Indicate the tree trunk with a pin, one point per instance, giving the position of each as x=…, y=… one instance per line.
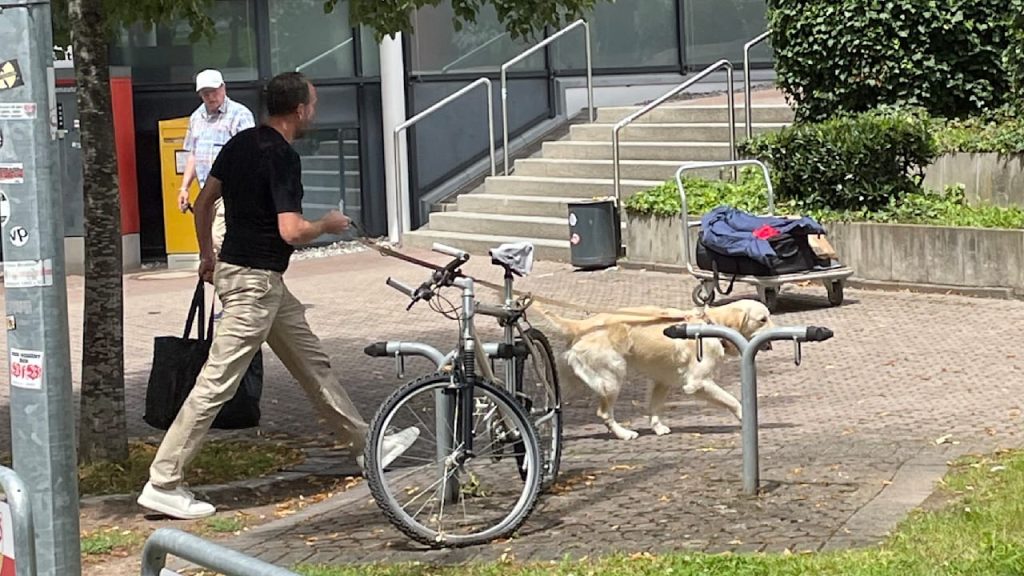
x=103, y=432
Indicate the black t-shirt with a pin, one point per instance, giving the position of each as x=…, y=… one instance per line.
x=262, y=177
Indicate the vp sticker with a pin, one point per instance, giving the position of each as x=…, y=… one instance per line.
x=10, y=75
x=19, y=236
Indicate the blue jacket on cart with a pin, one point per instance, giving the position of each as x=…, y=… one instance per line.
x=730, y=231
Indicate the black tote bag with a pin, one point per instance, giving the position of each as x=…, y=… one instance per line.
x=177, y=363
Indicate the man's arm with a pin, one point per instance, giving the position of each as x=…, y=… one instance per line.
x=204, y=226
x=190, y=168
x=296, y=230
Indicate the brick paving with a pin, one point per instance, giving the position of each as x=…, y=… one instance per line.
x=903, y=370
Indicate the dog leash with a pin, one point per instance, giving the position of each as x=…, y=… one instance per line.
x=388, y=251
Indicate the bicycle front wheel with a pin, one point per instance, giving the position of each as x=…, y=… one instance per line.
x=460, y=483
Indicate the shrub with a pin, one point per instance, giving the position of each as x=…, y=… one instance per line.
x=702, y=195
x=1001, y=132
x=946, y=56
x=849, y=162
x=1014, y=59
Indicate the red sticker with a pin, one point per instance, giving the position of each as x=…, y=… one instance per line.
x=574, y=239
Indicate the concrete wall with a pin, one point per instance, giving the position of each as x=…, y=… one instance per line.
x=992, y=178
x=889, y=253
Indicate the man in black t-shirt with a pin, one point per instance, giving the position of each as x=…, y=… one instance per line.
x=259, y=176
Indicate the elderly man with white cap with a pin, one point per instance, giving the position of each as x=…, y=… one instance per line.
x=210, y=127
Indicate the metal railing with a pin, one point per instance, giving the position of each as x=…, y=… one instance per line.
x=320, y=57
x=202, y=553
x=521, y=57
x=402, y=202
x=448, y=66
x=21, y=520
x=747, y=122
x=616, y=168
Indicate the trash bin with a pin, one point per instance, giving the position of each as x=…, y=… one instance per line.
x=594, y=233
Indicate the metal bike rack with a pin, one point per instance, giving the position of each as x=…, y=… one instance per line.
x=21, y=518
x=636, y=115
x=746, y=80
x=404, y=226
x=202, y=553
x=748, y=376
x=519, y=58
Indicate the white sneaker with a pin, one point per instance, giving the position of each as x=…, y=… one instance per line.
x=394, y=446
x=178, y=503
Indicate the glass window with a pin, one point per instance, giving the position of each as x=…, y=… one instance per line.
x=303, y=37
x=623, y=34
x=483, y=46
x=371, y=52
x=165, y=54
x=717, y=29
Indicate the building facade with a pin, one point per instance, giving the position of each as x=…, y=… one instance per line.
x=639, y=48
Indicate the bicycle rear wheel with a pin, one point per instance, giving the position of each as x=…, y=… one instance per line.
x=538, y=392
x=439, y=493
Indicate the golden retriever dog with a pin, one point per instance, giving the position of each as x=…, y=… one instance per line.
x=603, y=347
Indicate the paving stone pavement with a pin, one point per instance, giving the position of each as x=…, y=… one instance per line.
x=902, y=371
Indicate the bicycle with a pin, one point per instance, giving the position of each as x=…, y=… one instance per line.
x=509, y=417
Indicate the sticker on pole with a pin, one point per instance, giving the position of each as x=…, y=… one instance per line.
x=1, y=138
x=19, y=236
x=28, y=273
x=12, y=173
x=18, y=110
x=6, y=540
x=10, y=75
x=574, y=239
x=5, y=209
x=27, y=369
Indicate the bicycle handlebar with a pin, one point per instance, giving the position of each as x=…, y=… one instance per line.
x=450, y=251
x=400, y=287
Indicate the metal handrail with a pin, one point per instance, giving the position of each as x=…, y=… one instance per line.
x=483, y=81
x=316, y=59
x=690, y=82
x=447, y=66
x=519, y=58
x=204, y=553
x=21, y=521
x=747, y=122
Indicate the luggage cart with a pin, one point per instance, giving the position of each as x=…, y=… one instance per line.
x=768, y=287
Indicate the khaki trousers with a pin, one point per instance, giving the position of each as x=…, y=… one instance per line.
x=257, y=307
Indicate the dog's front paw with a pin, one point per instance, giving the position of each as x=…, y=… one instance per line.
x=661, y=430
x=625, y=433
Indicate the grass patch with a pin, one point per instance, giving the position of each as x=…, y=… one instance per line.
x=947, y=208
x=107, y=541
x=979, y=532
x=224, y=524
x=217, y=462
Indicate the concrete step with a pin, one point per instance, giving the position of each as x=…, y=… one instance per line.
x=479, y=244
x=628, y=169
x=563, y=187
x=544, y=206
x=500, y=225
x=677, y=132
x=321, y=162
x=680, y=113
x=675, y=151
x=328, y=178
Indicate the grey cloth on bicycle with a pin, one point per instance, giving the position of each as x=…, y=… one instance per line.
x=518, y=256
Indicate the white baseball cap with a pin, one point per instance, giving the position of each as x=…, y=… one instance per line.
x=209, y=79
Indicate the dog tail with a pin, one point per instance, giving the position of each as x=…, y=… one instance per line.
x=565, y=326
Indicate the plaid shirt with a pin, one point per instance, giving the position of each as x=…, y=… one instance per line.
x=207, y=133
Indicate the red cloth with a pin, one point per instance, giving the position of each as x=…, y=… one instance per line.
x=765, y=232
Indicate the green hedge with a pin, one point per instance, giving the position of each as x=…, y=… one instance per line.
x=948, y=208
x=946, y=56
x=850, y=162
x=1001, y=132
x=1014, y=59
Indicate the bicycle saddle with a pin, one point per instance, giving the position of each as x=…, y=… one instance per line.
x=517, y=257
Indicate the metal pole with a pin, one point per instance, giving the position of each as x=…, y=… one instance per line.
x=203, y=553
x=392, y=78
x=747, y=107
x=42, y=418
x=732, y=122
x=21, y=519
x=590, y=72
x=504, y=120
